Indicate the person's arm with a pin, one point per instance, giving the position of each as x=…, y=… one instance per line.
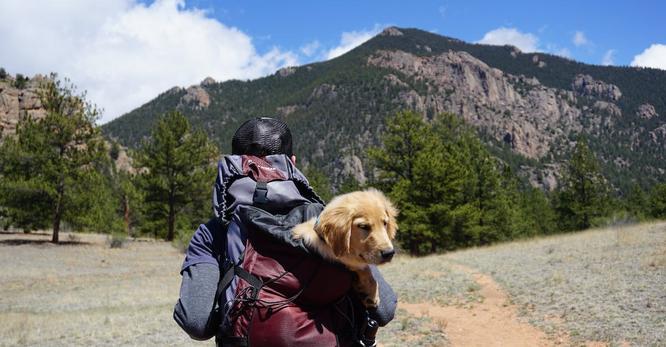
x=194, y=312
x=194, y=309
x=388, y=301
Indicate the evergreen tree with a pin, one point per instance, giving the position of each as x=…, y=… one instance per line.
x=658, y=201
x=399, y=161
x=51, y=168
x=405, y=136
x=637, y=202
x=177, y=171
x=449, y=188
x=319, y=182
x=584, y=190
x=539, y=215
x=349, y=184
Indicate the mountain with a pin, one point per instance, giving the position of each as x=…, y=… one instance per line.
x=528, y=107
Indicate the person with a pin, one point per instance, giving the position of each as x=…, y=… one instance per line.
x=261, y=147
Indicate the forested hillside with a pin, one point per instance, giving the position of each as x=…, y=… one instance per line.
x=528, y=108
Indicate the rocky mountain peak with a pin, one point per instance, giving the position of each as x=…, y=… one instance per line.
x=196, y=97
x=208, y=81
x=391, y=31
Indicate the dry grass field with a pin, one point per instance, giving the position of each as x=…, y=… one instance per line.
x=604, y=285
x=600, y=287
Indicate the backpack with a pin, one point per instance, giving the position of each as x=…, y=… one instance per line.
x=273, y=291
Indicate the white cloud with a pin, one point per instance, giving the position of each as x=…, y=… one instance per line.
x=125, y=53
x=609, y=57
x=579, y=39
x=654, y=56
x=311, y=48
x=526, y=42
x=350, y=40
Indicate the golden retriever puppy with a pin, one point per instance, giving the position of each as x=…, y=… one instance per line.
x=355, y=229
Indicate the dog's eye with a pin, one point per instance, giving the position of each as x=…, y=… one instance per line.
x=385, y=223
x=365, y=227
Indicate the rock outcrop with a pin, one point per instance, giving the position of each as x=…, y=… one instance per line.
x=286, y=71
x=646, y=111
x=350, y=166
x=515, y=109
x=208, y=81
x=16, y=103
x=391, y=31
x=585, y=85
x=196, y=97
x=324, y=91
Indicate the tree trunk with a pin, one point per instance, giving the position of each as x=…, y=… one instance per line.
x=57, y=216
x=126, y=214
x=171, y=221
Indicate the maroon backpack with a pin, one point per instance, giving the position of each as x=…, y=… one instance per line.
x=274, y=291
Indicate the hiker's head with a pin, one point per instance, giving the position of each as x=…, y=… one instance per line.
x=262, y=136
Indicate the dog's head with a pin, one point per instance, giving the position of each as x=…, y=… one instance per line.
x=359, y=227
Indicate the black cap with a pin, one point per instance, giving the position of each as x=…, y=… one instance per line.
x=262, y=136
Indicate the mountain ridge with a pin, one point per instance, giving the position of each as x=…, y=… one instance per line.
x=328, y=103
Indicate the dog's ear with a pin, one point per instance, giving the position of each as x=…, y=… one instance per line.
x=392, y=213
x=335, y=228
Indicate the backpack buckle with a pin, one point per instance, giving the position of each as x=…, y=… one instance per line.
x=260, y=193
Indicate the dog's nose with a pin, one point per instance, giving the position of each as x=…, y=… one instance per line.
x=387, y=254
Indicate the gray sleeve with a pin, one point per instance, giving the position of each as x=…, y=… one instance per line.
x=194, y=311
x=388, y=301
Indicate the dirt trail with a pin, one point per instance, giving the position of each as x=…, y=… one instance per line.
x=492, y=322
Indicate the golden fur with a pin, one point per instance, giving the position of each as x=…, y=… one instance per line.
x=355, y=229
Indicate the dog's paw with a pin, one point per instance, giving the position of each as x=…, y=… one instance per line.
x=366, y=286
x=369, y=302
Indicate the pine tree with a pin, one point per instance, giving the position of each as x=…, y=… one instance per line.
x=637, y=202
x=657, y=201
x=177, y=171
x=538, y=212
x=406, y=135
x=51, y=167
x=584, y=190
x=319, y=182
x=404, y=145
x=450, y=190
x=349, y=184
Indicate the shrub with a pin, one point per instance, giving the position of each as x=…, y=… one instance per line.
x=73, y=238
x=20, y=81
x=117, y=240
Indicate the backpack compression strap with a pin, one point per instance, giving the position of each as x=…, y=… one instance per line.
x=231, y=270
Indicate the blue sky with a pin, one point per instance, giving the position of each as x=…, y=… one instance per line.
x=624, y=27
x=126, y=52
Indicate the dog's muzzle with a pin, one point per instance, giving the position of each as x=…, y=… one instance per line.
x=387, y=254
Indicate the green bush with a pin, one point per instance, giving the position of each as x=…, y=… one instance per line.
x=20, y=81
x=658, y=201
x=117, y=240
